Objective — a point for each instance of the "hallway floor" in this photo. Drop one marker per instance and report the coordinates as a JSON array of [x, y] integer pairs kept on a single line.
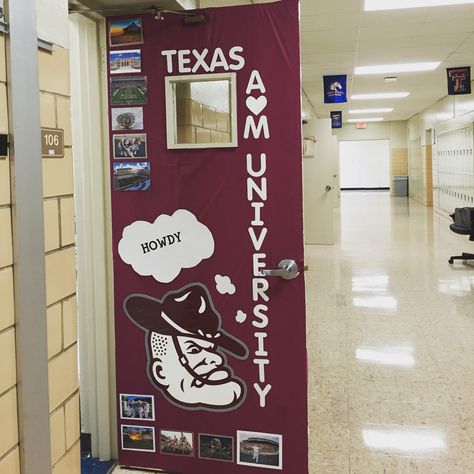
[[391, 338], [391, 343]]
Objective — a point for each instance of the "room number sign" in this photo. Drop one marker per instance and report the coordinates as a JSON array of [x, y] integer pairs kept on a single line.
[[52, 143]]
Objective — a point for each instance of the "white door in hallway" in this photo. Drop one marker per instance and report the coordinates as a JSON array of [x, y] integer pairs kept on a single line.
[[336, 175], [319, 184], [365, 164]]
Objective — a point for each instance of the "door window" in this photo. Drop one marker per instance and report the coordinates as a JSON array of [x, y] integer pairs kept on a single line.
[[201, 111]]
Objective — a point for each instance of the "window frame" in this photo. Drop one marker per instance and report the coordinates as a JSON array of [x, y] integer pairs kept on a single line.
[[171, 118]]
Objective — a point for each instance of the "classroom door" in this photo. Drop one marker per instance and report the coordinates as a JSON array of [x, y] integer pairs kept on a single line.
[[205, 135]]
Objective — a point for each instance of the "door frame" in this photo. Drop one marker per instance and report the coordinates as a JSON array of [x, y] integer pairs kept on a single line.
[[93, 235]]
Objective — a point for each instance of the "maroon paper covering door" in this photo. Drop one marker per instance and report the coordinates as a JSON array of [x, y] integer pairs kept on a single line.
[[233, 209]]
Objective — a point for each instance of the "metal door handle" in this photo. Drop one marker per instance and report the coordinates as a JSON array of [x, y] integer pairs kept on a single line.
[[328, 188], [287, 269]]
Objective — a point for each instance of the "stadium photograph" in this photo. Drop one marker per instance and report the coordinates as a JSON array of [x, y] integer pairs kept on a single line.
[[132, 176], [259, 449], [128, 90]]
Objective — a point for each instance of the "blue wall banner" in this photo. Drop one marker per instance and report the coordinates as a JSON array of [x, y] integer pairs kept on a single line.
[[335, 88], [336, 119], [459, 80]]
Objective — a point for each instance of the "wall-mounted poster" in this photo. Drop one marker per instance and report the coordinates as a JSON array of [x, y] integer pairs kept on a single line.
[[335, 88], [125, 32], [204, 383], [336, 119], [459, 80]]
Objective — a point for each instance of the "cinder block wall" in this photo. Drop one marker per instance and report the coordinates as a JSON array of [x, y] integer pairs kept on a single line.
[[421, 172], [427, 159], [399, 164], [60, 279], [9, 449], [58, 189], [198, 123]]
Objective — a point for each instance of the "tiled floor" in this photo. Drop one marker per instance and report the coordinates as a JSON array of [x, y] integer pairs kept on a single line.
[[391, 331], [391, 343]]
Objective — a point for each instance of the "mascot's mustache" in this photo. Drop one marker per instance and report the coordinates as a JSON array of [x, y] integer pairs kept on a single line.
[[217, 376]]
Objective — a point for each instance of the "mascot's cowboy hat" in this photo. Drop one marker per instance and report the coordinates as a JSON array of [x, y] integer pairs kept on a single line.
[[185, 312]]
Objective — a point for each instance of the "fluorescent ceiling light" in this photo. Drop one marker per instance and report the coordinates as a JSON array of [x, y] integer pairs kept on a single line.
[[372, 5], [370, 119], [383, 95], [395, 68], [371, 111]]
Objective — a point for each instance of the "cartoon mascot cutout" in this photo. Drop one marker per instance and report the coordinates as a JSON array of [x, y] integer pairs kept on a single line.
[[185, 346]]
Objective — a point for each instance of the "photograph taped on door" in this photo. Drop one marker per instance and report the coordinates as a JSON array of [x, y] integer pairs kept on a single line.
[[216, 447], [126, 32], [137, 407], [128, 90], [130, 146], [125, 61]]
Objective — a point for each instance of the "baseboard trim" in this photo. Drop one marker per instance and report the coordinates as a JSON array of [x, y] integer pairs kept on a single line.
[[365, 189]]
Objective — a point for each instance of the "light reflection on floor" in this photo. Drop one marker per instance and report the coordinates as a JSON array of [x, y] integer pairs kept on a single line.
[[391, 337], [401, 440], [387, 355]]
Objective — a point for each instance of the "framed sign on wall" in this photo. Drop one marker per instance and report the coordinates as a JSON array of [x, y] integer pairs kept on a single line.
[[309, 143]]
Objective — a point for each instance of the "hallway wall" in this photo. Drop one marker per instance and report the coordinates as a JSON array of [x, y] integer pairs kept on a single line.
[[60, 276], [449, 114], [9, 450], [393, 131], [59, 218]]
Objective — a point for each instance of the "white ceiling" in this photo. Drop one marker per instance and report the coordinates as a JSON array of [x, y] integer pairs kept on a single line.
[[336, 36]]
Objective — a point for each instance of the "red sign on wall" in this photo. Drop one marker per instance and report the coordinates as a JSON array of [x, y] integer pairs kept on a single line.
[[206, 196]]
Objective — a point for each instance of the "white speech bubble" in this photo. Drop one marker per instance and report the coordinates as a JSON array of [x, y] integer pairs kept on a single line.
[[163, 248]]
